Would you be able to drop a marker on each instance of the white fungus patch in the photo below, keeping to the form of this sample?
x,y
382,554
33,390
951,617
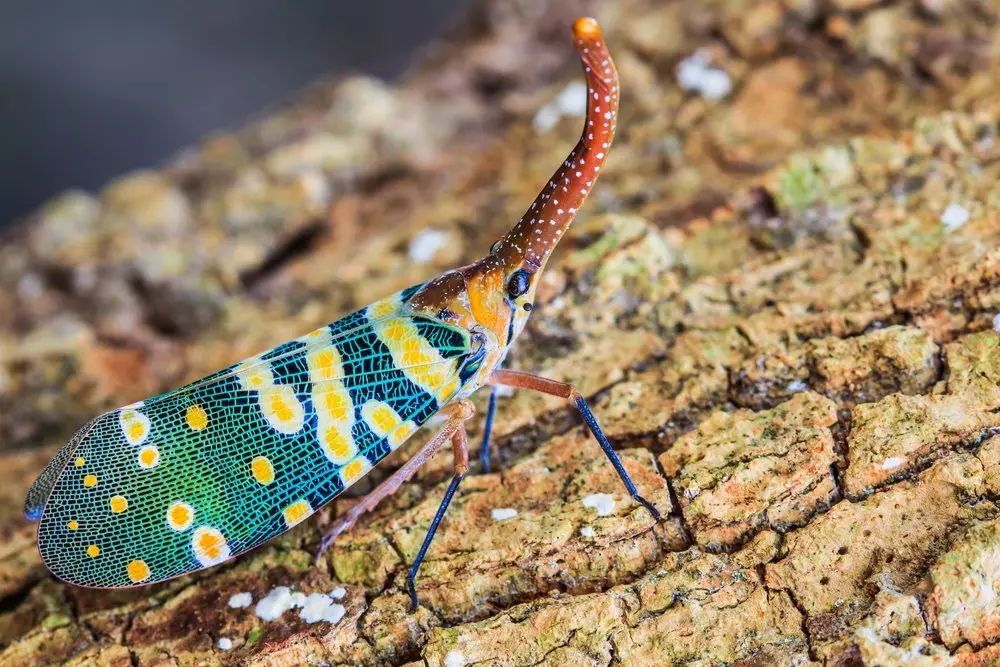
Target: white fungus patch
x,y
315,607
587,531
796,386
240,600
695,75
274,604
321,607
225,643
602,503
996,322
892,463
954,216
338,593
455,658
425,245
572,101
503,513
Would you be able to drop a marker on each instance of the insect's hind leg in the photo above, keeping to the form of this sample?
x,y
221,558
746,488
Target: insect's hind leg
x,y
522,380
460,446
484,451
462,412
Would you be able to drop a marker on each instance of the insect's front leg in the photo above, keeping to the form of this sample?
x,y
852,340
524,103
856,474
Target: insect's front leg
x,y
460,446
460,413
522,380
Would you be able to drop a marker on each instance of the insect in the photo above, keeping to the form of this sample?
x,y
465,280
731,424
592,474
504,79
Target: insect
x,y
199,475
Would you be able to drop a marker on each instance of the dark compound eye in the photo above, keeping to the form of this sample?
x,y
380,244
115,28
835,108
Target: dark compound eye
x,y
495,247
518,283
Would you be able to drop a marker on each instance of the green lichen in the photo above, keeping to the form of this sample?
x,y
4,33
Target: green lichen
x,y
798,184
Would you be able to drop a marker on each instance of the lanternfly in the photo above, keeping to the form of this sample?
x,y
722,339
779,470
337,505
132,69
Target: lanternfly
x,y
204,473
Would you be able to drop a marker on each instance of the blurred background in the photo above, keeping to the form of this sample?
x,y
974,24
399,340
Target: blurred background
x,y
86,96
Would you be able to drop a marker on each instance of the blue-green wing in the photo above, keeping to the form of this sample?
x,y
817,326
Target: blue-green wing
x,y
201,474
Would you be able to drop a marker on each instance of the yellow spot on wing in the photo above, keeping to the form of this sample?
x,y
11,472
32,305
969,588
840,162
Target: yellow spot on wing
x,y
383,308
420,361
134,425
209,546
297,512
262,470
196,417
334,407
118,504
90,481
72,525
137,571
93,551
325,364
255,374
180,515
282,409
401,433
380,417
80,461
354,470
149,457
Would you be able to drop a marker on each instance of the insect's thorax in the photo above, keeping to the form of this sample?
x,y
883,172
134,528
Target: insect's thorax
x,y
474,298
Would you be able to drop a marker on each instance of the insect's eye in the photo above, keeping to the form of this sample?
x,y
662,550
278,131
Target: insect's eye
x,y
495,247
518,283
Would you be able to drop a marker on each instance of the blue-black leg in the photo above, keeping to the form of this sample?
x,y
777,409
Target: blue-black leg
x,y
460,447
595,428
411,577
484,451
522,380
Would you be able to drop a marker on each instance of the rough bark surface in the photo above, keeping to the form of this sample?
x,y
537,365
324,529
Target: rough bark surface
x,y
783,304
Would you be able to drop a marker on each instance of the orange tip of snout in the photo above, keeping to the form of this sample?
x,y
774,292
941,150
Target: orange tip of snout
x,y
586,28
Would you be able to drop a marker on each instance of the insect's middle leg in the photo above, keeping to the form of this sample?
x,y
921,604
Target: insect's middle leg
x,y
463,411
484,451
522,380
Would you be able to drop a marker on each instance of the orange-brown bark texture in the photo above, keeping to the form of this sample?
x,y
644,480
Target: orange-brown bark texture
x,y
781,299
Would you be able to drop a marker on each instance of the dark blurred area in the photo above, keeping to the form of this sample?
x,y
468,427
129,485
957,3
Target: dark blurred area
x,y
91,90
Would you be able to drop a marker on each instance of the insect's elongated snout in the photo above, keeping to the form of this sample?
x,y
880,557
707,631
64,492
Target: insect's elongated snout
x,y
530,243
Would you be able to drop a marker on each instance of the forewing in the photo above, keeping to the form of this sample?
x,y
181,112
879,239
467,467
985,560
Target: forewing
x,y
201,474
